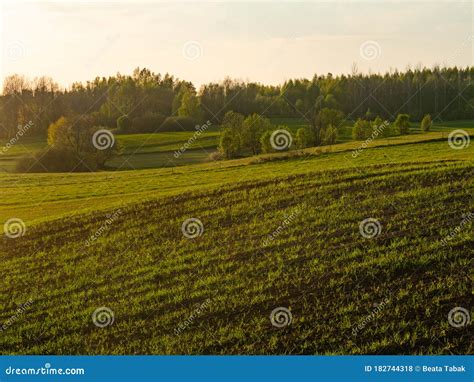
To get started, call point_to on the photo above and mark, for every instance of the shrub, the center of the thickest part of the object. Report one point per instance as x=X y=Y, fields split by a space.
x=124 y=124
x=101 y=119
x=303 y=138
x=233 y=120
x=75 y=144
x=253 y=127
x=389 y=130
x=190 y=106
x=178 y=124
x=376 y=123
x=402 y=123
x=56 y=160
x=330 y=117
x=426 y=123
x=329 y=135
x=265 y=143
x=381 y=128
x=229 y=143
x=362 y=129
x=77 y=134
x=148 y=123
x=216 y=155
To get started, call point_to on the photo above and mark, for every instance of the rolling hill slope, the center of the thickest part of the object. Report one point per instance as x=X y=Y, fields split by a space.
x=273 y=234
x=38 y=197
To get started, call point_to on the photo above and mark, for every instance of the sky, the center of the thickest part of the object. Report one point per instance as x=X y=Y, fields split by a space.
x=267 y=42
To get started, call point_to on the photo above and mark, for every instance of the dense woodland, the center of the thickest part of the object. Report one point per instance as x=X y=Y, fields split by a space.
x=147 y=100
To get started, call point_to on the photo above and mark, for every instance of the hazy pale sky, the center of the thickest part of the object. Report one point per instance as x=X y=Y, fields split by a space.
x=199 y=41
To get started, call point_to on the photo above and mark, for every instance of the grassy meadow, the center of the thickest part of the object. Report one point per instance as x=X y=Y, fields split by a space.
x=143 y=151
x=278 y=230
x=137 y=150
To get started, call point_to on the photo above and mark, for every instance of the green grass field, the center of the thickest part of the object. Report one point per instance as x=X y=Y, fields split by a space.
x=137 y=150
x=39 y=197
x=143 y=151
x=279 y=230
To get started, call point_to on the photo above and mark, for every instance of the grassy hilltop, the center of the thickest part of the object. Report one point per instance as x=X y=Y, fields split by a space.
x=278 y=230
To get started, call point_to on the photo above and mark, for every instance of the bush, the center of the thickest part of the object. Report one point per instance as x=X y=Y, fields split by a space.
x=233 y=120
x=330 y=117
x=265 y=143
x=329 y=135
x=74 y=145
x=426 y=123
x=381 y=128
x=402 y=123
x=73 y=133
x=229 y=143
x=253 y=127
x=389 y=130
x=124 y=124
x=99 y=119
x=215 y=156
x=55 y=160
x=148 y=123
x=190 y=106
x=376 y=123
x=303 y=138
x=362 y=129
x=178 y=124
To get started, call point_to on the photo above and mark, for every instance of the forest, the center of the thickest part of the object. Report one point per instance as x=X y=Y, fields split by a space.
x=81 y=123
x=154 y=102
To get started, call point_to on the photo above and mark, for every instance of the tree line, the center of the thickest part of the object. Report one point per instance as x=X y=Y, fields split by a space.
x=149 y=102
x=255 y=134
